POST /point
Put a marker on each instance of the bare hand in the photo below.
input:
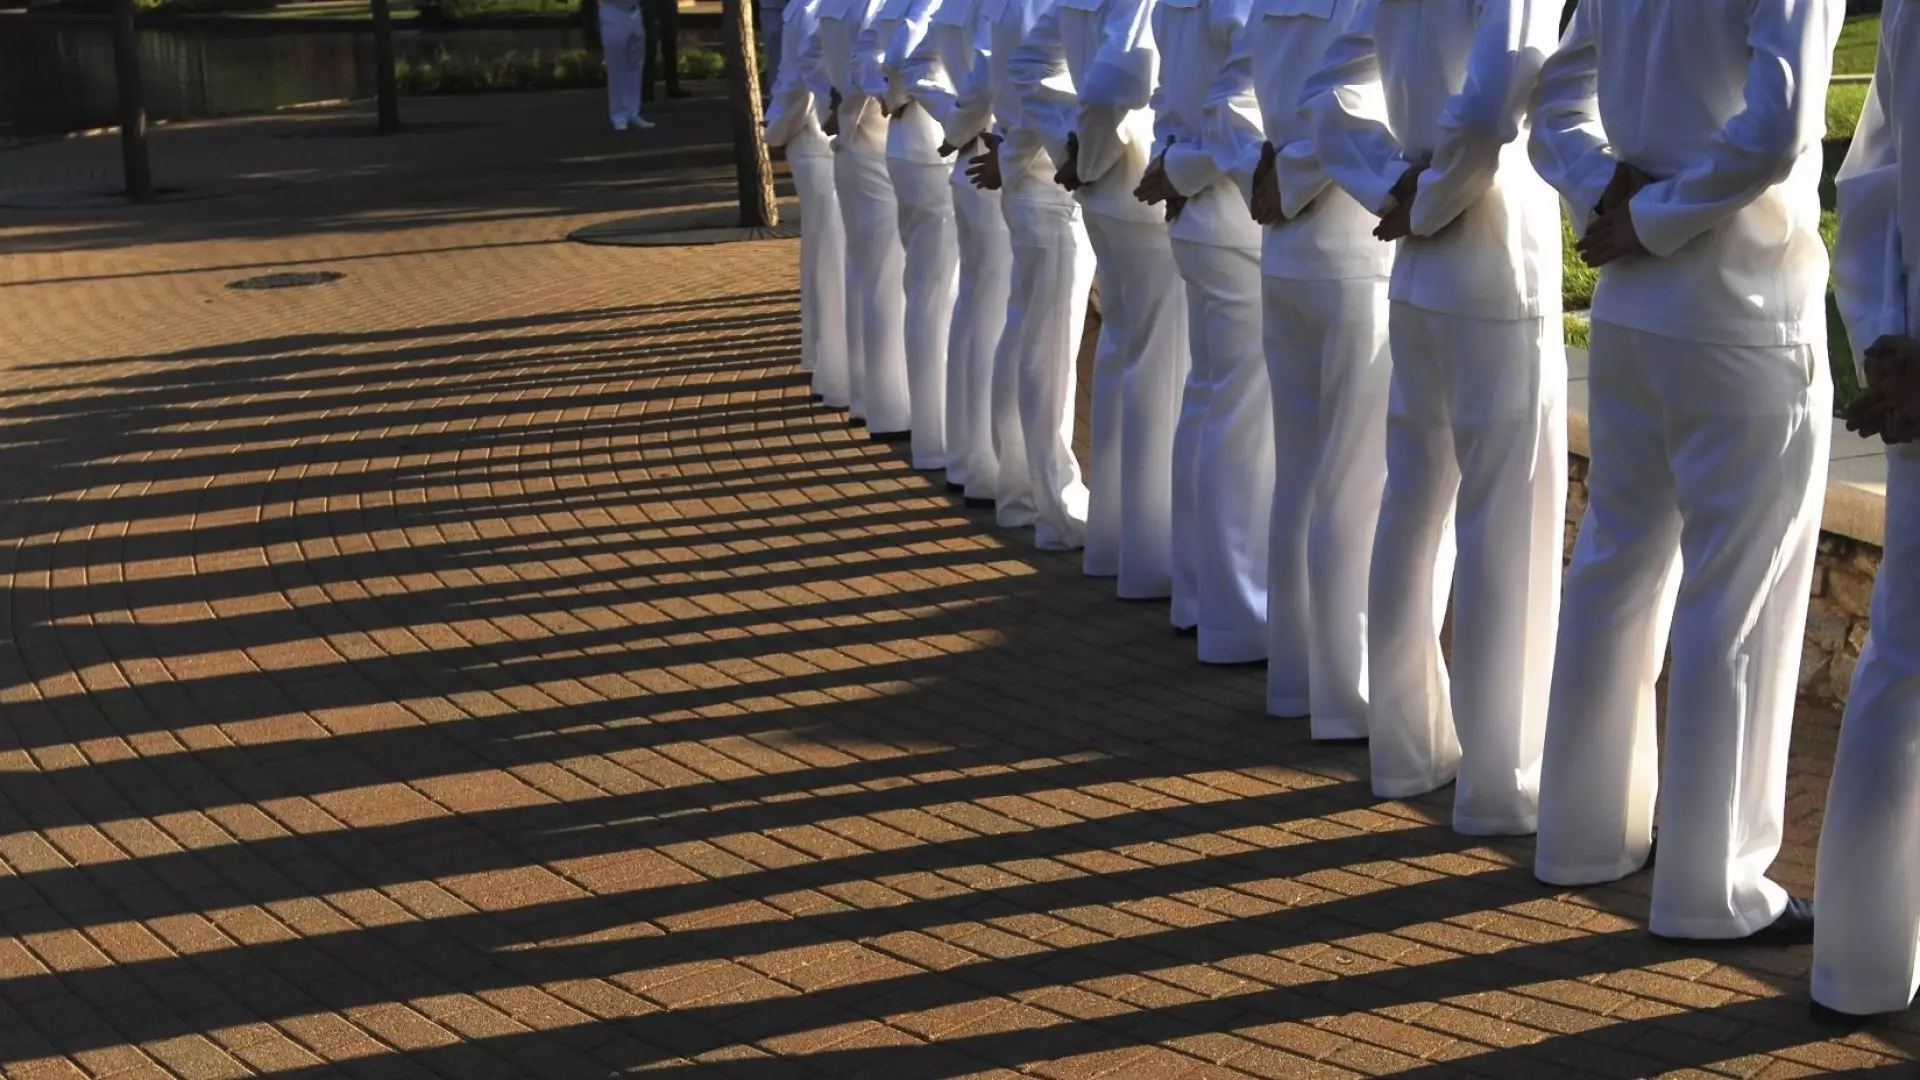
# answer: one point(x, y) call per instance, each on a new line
point(1397, 223)
point(1175, 204)
point(1154, 187)
point(984, 171)
point(832, 126)
point(1611, 237)
point(1626, 183)
point(1265, 205)
point(1068, 175)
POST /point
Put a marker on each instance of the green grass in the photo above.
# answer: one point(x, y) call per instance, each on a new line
point(1859, 46)
point(1844, 103)
point(453, 73)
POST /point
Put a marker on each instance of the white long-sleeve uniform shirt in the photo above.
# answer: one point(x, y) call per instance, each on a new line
point(1194, 39)
point(1023, 157)
point(832, 50)
point(1087, 68)
point(1879, 194)
point(1724, 102)
point(1257, 100)
point(800, 92)
point(948, 71)
point(882, 51)
point(1458, 76)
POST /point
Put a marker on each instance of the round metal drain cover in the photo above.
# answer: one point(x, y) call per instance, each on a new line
point(287, 281)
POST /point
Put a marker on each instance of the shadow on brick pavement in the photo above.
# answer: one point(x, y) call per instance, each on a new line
point(493, 665)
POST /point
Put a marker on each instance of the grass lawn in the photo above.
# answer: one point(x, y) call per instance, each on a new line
point(1859, 46)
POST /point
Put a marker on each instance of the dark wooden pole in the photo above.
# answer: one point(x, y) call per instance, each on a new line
point(132, 92)
point(386, 84)
point(752, 166)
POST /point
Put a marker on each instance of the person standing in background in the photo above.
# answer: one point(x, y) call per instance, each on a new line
point(1087, 72)
point(623, 48)
point(876, 299)
point(793, 122)
point(1052, 269)
point(1476, 419)
point(663, 32)
point(1224, 444)
point(1866, 947)
point(950, 72)
point(921, 186)
point(1325, 292)
point(1686, 140)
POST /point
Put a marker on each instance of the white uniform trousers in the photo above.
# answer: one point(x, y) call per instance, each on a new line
point(1138, 370)
point(1866, 945)
point(623, 48)
point(932, 247)
point(876, 292)
point(1330, 367)
point(1476, 432)
point(1718, 455)
point(979, 316)
point(1046, 314)
point(1232, 469)
point(1196, 399)
point(823, 266)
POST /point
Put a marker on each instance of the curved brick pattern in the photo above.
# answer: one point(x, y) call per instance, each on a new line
point(492, 665)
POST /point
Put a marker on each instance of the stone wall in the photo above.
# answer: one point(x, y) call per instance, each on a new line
point(1836, 617)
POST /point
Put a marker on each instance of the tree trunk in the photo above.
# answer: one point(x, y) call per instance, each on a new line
point(752, 166)
point(138, 170)
point(386, 86)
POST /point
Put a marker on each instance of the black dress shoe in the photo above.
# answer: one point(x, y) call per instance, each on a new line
point(816, 398)
point(956, 489)
point(978, 504)
point(1793, 927)
point(890, 436)
point(1186, 631)
point(1845, 1021)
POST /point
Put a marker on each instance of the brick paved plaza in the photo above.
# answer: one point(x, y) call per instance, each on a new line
point(492, 665)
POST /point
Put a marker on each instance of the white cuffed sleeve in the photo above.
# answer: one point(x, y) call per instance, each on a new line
point(1119, 81)
point(791, 99)
point(1569, 146)
point(1346, 109)
point(1234, 123)
point(1038, 71)
point(1784, 116)
point(1511, 41)
point(1869, 276)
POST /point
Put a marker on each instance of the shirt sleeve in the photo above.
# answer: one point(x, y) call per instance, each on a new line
point(1038, 72)
point(1784, 116)
point(1569, 147)
point(907, 36)
point(1511, 41)
point(870, 57)
point(1235, 125)
point(813, 65)
point(924, 72)
point(1195, 166)
point(791, 98)
point(1119, 81)
point(1355, 147)
point(1869, 276)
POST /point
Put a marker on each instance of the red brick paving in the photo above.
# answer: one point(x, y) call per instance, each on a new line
point(492, 665)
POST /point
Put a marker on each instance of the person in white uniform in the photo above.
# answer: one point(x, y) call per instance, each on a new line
point(950, 75)
point(1228, 404)
point(1087, 70)
point(920, 183)
point(1866, 947)
point(1476, 418)
point(1052, 273)
point(793, 122)
point(623, 48)
point(876, 295)
point(1325, 292)
point(1686, 139)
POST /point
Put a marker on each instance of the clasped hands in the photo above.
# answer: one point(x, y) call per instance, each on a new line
point(1890, 406)
point(1397, 223)
point(1155, 188)
point(983, 170)
point(1611, 235)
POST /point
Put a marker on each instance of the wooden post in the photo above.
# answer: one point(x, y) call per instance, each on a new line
point(135, 165)
point(386, 85)
point(752, 166)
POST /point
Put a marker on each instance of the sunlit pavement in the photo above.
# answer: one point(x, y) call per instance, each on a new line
point(492, 664)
